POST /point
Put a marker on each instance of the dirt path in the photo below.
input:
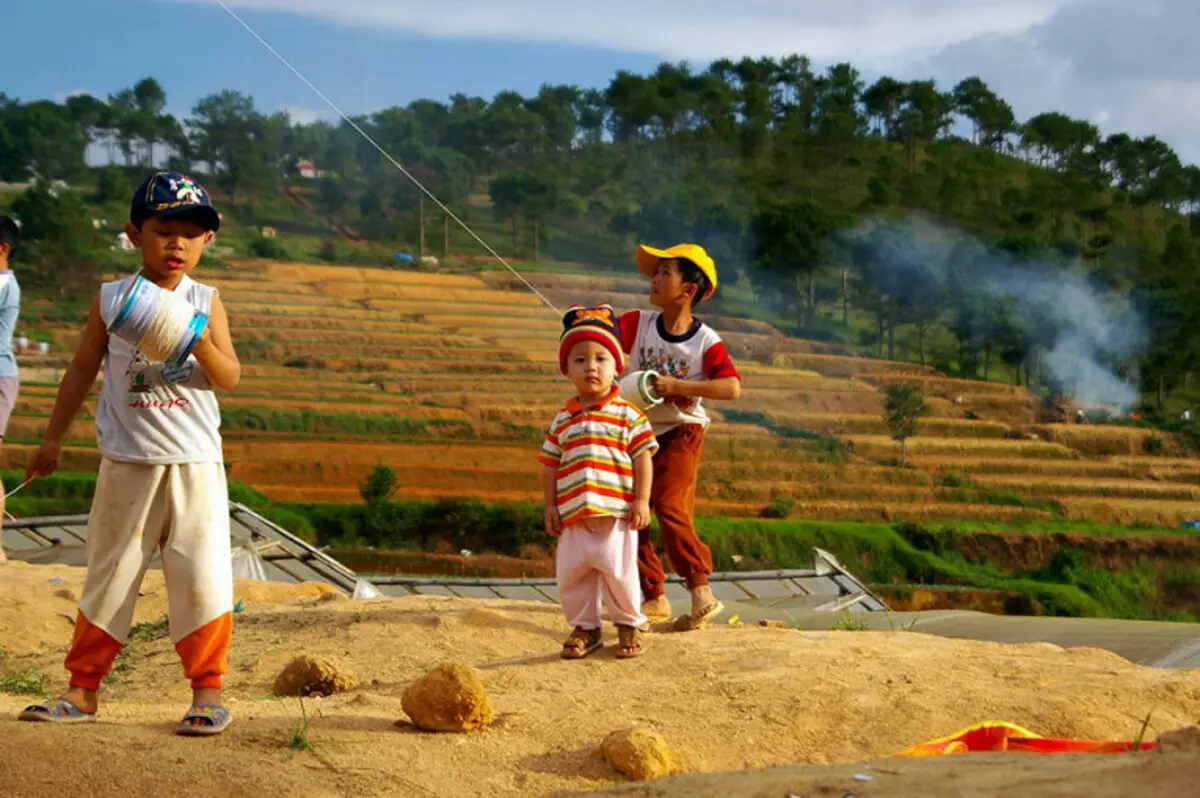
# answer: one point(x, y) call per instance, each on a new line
point(730, 698)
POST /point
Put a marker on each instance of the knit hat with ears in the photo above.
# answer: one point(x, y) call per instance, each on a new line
point(597, 324)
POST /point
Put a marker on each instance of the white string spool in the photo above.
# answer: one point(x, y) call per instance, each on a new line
point(638, 389)
point(162, 324)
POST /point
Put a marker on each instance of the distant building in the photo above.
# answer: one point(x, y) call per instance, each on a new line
point(309, 170)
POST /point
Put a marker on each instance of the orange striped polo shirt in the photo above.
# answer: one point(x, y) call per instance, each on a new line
point(593, 449)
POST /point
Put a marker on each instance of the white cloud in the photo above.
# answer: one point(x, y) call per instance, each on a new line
point(869, 32)
point(306, 116)
point(1127, 64)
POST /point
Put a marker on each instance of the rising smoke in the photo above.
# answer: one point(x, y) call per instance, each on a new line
point(1085, 332)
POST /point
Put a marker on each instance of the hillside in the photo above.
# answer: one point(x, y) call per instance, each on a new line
point(862, 697)
point(450, 380)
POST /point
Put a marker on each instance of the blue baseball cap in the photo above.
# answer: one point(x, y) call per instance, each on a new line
point(170, 194)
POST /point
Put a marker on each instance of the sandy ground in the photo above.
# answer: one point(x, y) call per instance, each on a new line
point(726, 699)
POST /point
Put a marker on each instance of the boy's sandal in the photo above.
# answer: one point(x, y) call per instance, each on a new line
point(58, 710)
point(214, 720)
point(657, 609)
point(632, 641)
point(582, 642)
point(698, 619)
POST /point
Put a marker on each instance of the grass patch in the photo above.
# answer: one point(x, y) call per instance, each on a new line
point(149, 631)
point(300, 740)
point(27, 682)
point(315, 423)
point(850, 622)
point(70, 492)
point(825, 447)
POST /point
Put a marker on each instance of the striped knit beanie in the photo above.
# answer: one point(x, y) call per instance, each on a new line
point(597, 324)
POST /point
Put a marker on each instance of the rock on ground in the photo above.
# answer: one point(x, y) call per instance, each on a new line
point(639, 753)
point(307, 675)
point(449, 699)
point(1186, 740)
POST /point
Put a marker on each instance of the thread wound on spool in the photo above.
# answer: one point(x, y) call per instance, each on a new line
point(162, 324)
point(638, 388)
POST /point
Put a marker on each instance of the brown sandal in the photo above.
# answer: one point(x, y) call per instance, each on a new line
point(581, 642)
point(698, 619)
point(630, 637)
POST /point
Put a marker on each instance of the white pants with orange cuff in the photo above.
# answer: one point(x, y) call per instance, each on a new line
point(137, 510)
point(597, 557)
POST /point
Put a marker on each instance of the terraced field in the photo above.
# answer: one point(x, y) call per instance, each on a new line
point(450, 379)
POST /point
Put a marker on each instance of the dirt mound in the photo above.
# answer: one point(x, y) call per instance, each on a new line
point(305, 676)
point(728, 698)
point(641, 754)
point(38, 602)
point(450, 699)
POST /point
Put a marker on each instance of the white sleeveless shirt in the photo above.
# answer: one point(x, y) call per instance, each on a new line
point(149, 412)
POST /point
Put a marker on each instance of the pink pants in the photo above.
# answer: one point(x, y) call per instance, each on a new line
point(597, 557)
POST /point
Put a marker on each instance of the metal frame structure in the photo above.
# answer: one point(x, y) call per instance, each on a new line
point(826, 587)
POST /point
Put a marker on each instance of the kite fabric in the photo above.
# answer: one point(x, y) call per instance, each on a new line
point(1000, 736)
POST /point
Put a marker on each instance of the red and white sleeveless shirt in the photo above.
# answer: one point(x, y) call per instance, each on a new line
point(698, 354)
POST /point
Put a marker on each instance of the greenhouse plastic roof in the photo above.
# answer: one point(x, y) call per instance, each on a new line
point(803, 598)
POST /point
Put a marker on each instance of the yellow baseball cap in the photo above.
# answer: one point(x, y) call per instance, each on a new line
point(647, 259)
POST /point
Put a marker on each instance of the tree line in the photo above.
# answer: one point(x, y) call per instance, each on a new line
point(771, 163)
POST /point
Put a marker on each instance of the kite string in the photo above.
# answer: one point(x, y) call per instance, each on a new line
point(384, 152)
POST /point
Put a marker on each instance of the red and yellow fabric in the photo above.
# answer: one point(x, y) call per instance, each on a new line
point(993, 736)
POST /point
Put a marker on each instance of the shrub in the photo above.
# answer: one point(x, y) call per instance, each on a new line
point(778, 508)
point(379, 486)
point(904, 407)
point(268, 248)
point(1154, 445)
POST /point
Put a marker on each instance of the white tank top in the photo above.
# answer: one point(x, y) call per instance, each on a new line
point(149, 412)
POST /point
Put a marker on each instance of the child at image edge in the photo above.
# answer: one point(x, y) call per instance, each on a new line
point(596, 481)
point(161, 484)
point(693, 365)
point(10, 310)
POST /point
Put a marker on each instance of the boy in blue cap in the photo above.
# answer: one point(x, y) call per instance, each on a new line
point(162, 479)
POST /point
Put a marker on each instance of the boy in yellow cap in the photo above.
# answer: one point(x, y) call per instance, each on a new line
point(693, 365)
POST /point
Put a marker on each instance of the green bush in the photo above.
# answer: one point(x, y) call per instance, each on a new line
point(460, 523)
point(778, 508)
point(268, 248)
point(295, 522)
point(379, 486)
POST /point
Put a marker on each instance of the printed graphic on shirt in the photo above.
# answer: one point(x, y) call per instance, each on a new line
point(147, 377)
point(698, 354)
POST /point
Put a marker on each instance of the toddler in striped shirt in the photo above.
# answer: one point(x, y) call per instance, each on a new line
point(596, 482)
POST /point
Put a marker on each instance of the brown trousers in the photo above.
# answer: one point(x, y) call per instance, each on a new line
point(673, 499)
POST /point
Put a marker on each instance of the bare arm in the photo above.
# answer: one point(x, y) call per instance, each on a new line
point(553, 522)
point(726, 388)
point(215, 350)
point(76, 383)
point(80, 375)
point(643, 476)
point(549, 485)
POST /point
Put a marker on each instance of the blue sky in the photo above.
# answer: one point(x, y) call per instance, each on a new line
point(1128, 65)
point(193, 50)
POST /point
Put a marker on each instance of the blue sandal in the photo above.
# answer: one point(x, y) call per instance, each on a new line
point(58, 710)
point(216, 717)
